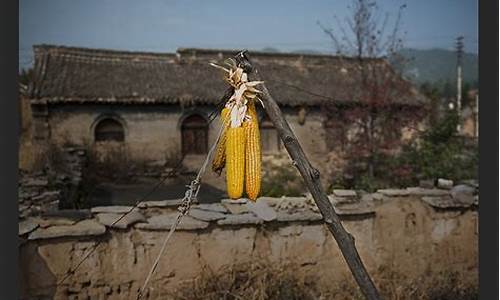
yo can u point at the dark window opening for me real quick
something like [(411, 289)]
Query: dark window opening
[(109, 130), (194, 135)]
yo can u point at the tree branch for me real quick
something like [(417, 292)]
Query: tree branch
[(311, 178)]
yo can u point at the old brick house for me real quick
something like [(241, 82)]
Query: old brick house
[(154, 104)]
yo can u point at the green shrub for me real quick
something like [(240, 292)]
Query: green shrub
[(441, 153), (438, 153), (281, 179)]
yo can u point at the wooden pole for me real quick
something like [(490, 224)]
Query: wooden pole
[(311, 178)]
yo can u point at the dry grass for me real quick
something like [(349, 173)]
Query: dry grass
[(259, 281), (252, 281)]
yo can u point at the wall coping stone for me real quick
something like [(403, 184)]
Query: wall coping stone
[(27, 226), (74, 214), (108, 219), (160, 203), (240, 219), (418, 191), (271, 201), (262, 210), (444, 202), (206, 215), (77, 223), (394, 192), (165, 221), (48, 222), (344, 193), (236, 208), (445, 183), (360, 208), (82, 228), (305, 215), (216, 207), (118, 209), (234, 201)]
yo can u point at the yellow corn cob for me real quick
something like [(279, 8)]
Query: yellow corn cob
[(220, 152), (235, 161), (252, 154)]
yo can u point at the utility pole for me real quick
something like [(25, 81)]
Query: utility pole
[(460, 46)]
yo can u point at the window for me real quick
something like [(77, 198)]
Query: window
[(109, 130), (270, 138), (194, 131)]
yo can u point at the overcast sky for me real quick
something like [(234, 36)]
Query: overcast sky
[(165, 25)]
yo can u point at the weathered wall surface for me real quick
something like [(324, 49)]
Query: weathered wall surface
[(153, 132), (417, 233), (149, 133)]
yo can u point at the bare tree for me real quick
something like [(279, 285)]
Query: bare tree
[(371, 39), (366, 34)]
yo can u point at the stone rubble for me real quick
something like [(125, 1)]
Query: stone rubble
[(49, 190)]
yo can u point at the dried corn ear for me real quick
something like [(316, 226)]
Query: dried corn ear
[(220, 152), (252, 154), (235, 161)]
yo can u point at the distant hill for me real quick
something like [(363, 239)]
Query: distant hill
[(435, 65), (426, 65)]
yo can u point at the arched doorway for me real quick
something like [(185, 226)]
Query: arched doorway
[(194, 134), (109, 129)]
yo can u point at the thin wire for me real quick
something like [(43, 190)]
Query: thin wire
[(96, 244), (191, 194)]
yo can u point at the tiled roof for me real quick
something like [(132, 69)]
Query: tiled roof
[(81, 75)]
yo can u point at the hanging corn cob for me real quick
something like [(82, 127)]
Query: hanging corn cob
[(239, 148), (220, 152), (235, 161), (252, 153)]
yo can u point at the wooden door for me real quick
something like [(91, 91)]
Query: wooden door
[(194, 135)]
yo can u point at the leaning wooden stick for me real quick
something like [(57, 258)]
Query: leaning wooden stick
[(311, 176)]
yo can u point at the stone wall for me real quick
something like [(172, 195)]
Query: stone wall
[(418, 233), (54, 187)]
